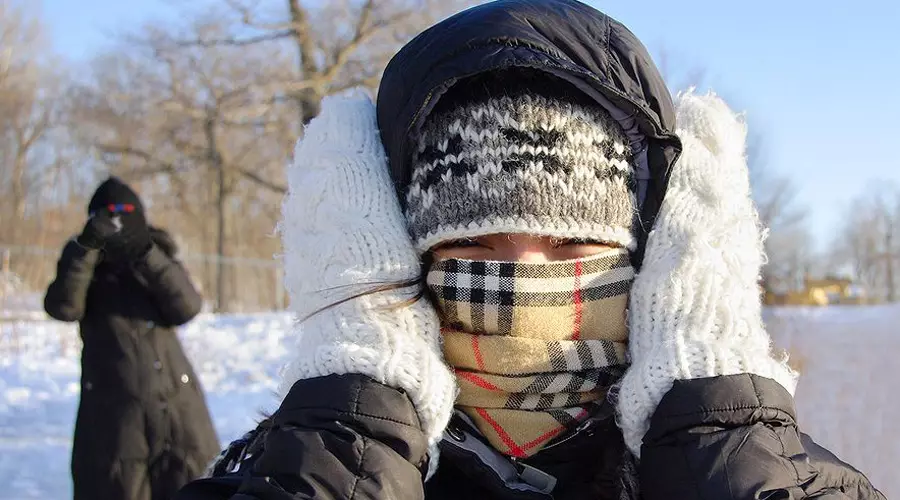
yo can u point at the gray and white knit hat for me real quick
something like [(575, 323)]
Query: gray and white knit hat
[(521, 162)]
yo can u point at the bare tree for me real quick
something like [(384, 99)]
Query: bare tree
[(869, 244), (37, 171), (789, 246), (210, 110), (29, 145), (21, 120), (333, 45), (791, 259), (190, 123), (775, 195)]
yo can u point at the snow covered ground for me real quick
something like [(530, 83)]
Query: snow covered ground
[(846, 398), (237, 358)]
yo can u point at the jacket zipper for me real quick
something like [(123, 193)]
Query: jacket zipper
[(581, 427)]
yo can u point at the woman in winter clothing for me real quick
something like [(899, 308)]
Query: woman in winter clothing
[(589, 255), (143, 429)]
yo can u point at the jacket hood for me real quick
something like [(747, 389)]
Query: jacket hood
[(565, 38), (114, 191)]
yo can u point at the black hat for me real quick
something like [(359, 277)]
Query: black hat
[(113, 192)]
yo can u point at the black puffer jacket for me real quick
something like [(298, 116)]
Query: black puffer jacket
[(348, 437), (143, 429)]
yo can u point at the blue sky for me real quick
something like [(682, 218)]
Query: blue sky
[(818, 79)]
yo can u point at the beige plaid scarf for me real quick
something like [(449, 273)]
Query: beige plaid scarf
[(534, 346)]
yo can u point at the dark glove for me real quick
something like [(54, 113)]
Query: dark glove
[(131, 242), (97, 231)]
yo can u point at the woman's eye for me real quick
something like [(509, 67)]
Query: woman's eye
[(574, 241)]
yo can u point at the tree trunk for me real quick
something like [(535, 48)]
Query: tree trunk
[(215, 160), (18, 195), (307, 100), (221, 299), (889, 263)]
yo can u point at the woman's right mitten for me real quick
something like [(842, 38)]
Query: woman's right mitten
[(344, 234)]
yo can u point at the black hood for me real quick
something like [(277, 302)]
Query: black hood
[(114, 191), (565, 38)]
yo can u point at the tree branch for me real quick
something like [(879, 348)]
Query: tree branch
[(159, 167), (302, 33), (247, 19), (276, 188), (234, 41), (363, 33)]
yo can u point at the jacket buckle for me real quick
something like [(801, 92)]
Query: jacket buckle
[(537, 478)]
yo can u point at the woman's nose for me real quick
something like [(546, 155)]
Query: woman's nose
[(529, 249), (532, 256)]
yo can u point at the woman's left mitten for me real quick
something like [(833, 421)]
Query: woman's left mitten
[(695, 305)]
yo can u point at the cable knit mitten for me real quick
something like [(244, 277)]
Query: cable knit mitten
[(695, 307), (344, 234)]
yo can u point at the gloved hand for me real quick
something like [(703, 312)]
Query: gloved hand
[(98, 229), (695, 306), (343, 234), (132, 241)]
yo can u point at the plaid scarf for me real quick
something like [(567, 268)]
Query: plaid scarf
[(535, 347)]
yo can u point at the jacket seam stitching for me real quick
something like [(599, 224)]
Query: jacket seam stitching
[(511, 41), (780, 438), (797, 480), (356, 414), (756, 393), (725, 408), (365, 443), (608, 40), (356, 398), (359, 467)]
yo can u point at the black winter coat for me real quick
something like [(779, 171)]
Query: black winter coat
[(143, 429), (346, 437), (349, 437)]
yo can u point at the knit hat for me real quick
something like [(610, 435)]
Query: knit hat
[(551, 162), (115, 192)]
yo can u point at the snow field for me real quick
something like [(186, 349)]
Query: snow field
[(846, 398)]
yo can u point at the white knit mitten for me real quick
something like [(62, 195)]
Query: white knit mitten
[(343, 234), (695, 306)]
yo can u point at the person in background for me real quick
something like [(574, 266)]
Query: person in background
[(143, 428), (527, 274)]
